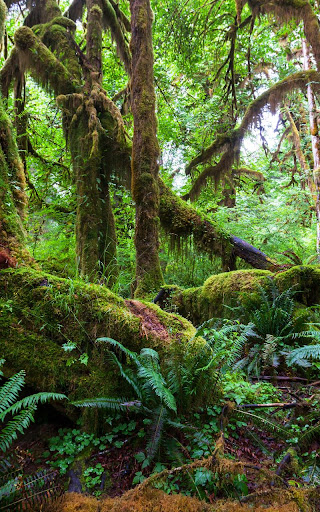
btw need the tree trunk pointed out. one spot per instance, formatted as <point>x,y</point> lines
<point>12,198</point>
<point>145,151</point>
<point>315,139</point>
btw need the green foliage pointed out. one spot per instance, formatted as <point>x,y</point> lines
<point>155,399</point>
<point>277,328</point>
<point>16,488</point>
<point>20,411</point>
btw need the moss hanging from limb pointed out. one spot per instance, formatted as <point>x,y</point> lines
<point>35,57</point>
<point>214,172</point>
<point>181,220</point>
<point>112,21</point>
<point>9,72</point>
<point>300,10</point>
<point>57,35</point>
<point>230,144</point>
<point>145,152</point>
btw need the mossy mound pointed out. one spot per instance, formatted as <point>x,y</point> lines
<point>39,313</point>
<point>221,292</point>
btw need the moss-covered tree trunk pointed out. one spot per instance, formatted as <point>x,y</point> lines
<point>145,151</point>
<point>315,140</point>
<point>93,125</point>
<point>12,197</point>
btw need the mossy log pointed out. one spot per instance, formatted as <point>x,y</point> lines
<point>223,291</point>
<point>39,313</point>
<point>276,500</point>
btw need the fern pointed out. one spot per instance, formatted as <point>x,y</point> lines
<point>302,353</point>
<point>114,404</point>
<point>261,422</point>
<point>21,410</point>
<point>310,434</point>
<point>156,430</point>
<point>10,390</point>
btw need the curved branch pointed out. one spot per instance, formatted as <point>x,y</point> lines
<point>213,171</point>
<point>43,65</point>
<point>231,143</point>
<point>75,10</point>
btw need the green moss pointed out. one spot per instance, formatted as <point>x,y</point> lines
<point>221,292</point>
<point>40,312</point>
<point>306,281</point>
<point>3,13</point>
<point>44,66</point>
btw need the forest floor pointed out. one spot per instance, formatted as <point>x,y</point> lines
<point>258,450</point>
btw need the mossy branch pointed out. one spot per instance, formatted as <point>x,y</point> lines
<point>285,10</point>
<point>35,57</point>
<point>9,72</point>
<point>231,143</point>
<point>110,18</point>
<point>75,10</point>
<point>180,220</point>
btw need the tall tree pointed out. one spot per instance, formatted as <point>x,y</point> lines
<point>145,151</point>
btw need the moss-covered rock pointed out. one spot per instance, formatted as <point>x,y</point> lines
<point>39,313</point>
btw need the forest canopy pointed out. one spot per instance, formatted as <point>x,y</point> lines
<point>160,249</point>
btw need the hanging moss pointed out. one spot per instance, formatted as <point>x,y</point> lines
<point>57,36</point>
<point>229,145</point>
<point>111,20</point>
<point>300,10</point>
<point>43,65</point>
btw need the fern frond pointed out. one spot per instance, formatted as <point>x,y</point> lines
<point>149,353</point>
<point>155,381</point>
<point>9,390</point>
<point>156,431</point>
<point>127,375</point>
<point>31,401</point>
<point>310,434</point>
<point>115,404</point>
<point>306,352</point>
<point>18,424</point>
<point>261,422</point>
<point>117,344</point>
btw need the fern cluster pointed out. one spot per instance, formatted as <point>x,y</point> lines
<point>16,489</point>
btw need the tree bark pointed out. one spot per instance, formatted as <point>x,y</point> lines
<point>145,151</point>
<point>315,139</point>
